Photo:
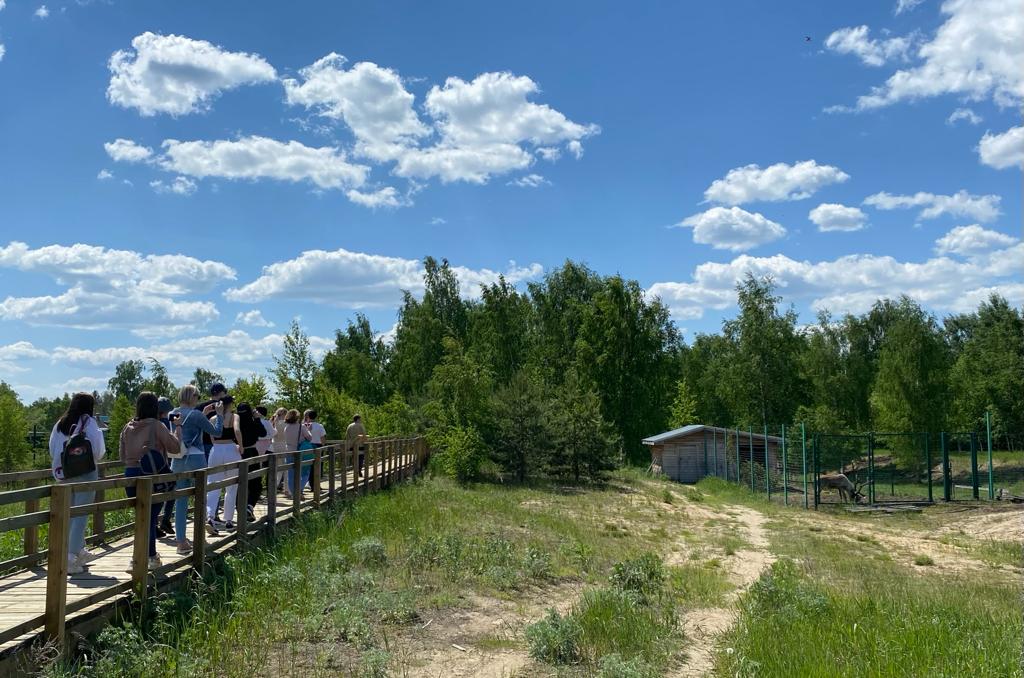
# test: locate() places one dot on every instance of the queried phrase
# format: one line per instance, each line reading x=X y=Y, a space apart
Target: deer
x=847 y=489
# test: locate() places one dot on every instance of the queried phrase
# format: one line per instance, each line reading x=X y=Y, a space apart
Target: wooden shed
x=689 y=453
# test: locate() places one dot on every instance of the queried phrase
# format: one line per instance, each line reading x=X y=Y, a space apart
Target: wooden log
x=31 y=541
x=57 y=563
x=241 y=502
x=140 y=542
x=199 y=522
x=23 y=521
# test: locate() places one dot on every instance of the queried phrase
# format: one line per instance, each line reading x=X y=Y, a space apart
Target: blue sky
x=180 y=180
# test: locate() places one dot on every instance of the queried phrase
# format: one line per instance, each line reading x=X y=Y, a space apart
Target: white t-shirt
x=317 y=432
x=263 y=444
x=57 y=440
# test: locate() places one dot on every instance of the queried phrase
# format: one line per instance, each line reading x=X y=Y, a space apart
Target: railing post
x=99 y=519
x=331 y=470
x=271 y=492
x=140 y=543
x=928 y=462
x=803 y=454
x=871 y=467
x=57 y=562
x=785 y=470
x=947 y=482
x=199 y=521
x=241 y=503
x=32 y=531
x=974 y=465
x=988 y=446
x=344 y=471
x=296 y=483
x=317 y=458
x=767 y=471
x=366 y=467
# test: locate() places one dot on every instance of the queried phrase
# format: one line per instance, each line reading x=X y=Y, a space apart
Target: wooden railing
x=387 y=461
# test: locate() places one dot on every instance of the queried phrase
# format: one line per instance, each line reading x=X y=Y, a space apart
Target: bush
x=555 y=639
x=464 y=452
x=643 y=576
x=370 y=552
x=615 y=621
x=614 y=666
x=923 y=560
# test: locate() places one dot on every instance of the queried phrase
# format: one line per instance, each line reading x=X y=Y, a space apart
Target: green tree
x=14 y=447
x=523 y=429
x=684 y=407
x=253 y=390
x=128 y=379
x=586 y=443
x=706 y=366
x=294 y=370
x=357 y=363
x=122 y=412
x=501 y=329
x=203 y=379
x=158 y=382
x=459 y=392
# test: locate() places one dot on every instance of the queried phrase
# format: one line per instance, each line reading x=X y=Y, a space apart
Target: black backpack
x=76 y=458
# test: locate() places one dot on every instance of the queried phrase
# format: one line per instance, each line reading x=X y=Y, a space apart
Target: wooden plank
x=332 y=452
x=24 y=520
x=315 y=476
x=101 y=507
x=31 y=539
x=242 y=501
x=199 y=522
x=140 y=542
x=57 y=563
x=272 y=491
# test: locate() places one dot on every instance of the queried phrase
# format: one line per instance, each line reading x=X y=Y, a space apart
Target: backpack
x=76 y=457
x=153 y=463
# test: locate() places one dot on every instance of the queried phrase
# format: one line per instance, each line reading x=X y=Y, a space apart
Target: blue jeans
x=154 y=510
x=76 y=533
x=190 y=462
x=303 y=477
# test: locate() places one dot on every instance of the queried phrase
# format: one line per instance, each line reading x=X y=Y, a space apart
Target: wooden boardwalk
x=31 y=597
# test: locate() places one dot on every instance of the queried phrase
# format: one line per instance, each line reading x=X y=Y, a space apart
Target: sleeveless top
x=227 y=435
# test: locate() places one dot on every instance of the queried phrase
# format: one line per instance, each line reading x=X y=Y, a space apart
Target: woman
x=277 y=443
x=190 y=425
x=226 y=449
x=294 y=433
x=142 y=436
x=78 y=418
x=251 y=432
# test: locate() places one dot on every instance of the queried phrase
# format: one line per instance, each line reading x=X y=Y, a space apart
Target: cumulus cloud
x=179 y=186
x=975 y=54
x=1003 y=150
x=906 y=5
x=732 y=228
x=850 y=283
x=357 y=280
x=41 y=12
x=370 y=99
x=383 y=197
x=126 y=150
x=963 y=114
x=253 y=318
x=856 y=41
x=530 y=181
x=105 y=175
x=773 y=183
x=177 y=75
x=973 y=240
x=983 y=208
x=831 y=216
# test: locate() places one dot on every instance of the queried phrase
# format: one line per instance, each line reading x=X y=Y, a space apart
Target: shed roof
x=697 y=428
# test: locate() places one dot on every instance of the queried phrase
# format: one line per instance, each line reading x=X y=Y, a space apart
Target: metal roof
x=697 y=428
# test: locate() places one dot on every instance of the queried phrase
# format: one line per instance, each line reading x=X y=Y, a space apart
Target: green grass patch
x=924 y=560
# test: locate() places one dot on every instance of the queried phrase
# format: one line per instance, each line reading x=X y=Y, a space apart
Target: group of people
x=162 y=438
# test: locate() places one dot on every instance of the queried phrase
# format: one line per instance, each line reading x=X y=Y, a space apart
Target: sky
x=181 y=180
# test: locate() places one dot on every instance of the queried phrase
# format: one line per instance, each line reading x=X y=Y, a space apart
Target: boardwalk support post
x=199 y=535
x=32 y=531
x=271 y=492
x=140 y=543
x=242 y=503
x=57 y=563
x=331 y=472
x=317 y=459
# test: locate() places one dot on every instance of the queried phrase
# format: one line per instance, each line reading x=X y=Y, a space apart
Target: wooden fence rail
x=32 y=599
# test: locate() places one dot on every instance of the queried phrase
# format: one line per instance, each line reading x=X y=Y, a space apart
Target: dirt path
x=704 y=626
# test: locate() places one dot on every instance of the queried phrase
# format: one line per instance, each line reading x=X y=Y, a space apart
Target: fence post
x=785 y=470
x=99 y=519
x=817 y=469
x=57 y=562
x=750 y=449
x=317 y=459
x=140 y=542
x=344 y=471
x=988 y=445
x=946 y=480
x=272 y=492
x=767 y=471
x=32 y=531
x=296 y=488
x=738 y=479
x=714 y=442
x=331 y=470
x=928 y=462
x=974 y=465
x=242 y=503
x=803 y=453
x=871 y=467
x=378 y=477
x=199 y=520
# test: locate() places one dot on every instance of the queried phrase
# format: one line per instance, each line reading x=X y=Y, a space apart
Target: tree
x=501 y=329
x=203 y=379
x=252 y=390
x=357 y=364
x=523 y=430
x=459 y=391
x=122 y=412
x=586 y=443
x=13 y=427
x=684 y=407
x=294 y=370
x=705 y=366
x=128 y=380
x=158 y=381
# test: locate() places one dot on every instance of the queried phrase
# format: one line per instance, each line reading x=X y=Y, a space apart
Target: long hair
x=82 y=404
x=147 y=406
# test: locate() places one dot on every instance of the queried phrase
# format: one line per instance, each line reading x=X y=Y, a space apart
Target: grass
x=923 y=560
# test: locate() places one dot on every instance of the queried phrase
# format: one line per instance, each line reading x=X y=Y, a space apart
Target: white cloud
x=357 y=280
x=41 y=12
x=1003 y=150
x=973 y=240
x=370 y=99
x=253 y=318
x=179 y=186
x=474 y=164
x=437 y=221
x=962 y=204
x=732 y=228
x=776 y=182
x=383 y=197
x=126 y=150
x=20 y=350
x=104 y=175
x=256 y=157
x=906 y=5
x=178 y=75
x=963 y=114
x=3 y=3
x=549 y=153
x=3 y=51
x=530 y=181
x=975 y=54
x=576 y=148
x=835 y=217
x=850 y=283
x=855 y=40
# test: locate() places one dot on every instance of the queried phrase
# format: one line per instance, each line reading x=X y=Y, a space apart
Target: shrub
x=615 y=621
x=369 y=551
x=537 y=563
x=923 y=560
x=643 y=576
x=555 y=639
x=614 y=666
x=463 y=453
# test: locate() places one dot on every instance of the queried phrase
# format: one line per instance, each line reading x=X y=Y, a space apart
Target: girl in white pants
x=226 y=448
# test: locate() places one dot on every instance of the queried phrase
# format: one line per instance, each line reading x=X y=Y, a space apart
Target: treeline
x=569 y=375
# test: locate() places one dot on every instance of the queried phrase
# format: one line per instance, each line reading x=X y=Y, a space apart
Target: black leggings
x=255 y=484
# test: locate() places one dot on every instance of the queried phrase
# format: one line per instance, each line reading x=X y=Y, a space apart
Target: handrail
x=387 y=460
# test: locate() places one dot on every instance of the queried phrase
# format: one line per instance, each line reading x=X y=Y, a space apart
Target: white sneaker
x=86 y=557
x=74 y=567
x=155 y=562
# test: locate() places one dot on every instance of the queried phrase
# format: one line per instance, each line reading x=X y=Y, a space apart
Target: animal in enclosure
x=839 y=481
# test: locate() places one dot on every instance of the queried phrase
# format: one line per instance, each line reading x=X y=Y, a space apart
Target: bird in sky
x=807 y=38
